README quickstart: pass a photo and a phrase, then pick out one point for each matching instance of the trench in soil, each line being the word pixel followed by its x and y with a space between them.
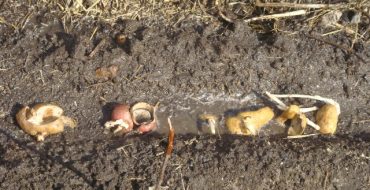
pixel 185 111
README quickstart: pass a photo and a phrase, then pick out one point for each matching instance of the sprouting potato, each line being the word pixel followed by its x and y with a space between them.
pixel 288 114
pixel 298 120
pixel 327 119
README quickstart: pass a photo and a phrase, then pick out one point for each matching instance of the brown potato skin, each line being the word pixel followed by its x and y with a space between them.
pixel 327 119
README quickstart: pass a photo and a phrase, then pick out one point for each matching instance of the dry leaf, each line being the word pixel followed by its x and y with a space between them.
pixel 106 72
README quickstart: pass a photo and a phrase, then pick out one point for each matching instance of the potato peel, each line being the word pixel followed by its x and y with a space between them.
pixel 43 111
pixel 43 120
pixel 144 116
pixel 297 125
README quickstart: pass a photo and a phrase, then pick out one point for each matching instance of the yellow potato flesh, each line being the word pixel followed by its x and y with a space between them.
pixel 289 113
pixel 254 120
pixel 235 126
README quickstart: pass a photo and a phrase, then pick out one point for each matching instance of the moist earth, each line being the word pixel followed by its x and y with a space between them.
pixel 48 62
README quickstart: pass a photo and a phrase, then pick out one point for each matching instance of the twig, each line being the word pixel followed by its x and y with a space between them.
pixel 345 29
pixel 362 121
pixel 182 182
pixel 301 136
pixel 331 43
pixel 135 72
pixel 123 147
pixel 171 137
pixel 275 16
pixel 94 32
pixel 301 6
pixel 223 16
pixel 100 83
pixel 326 179
pixel 42 78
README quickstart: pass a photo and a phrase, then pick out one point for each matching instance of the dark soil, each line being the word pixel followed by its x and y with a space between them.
pixel 44 62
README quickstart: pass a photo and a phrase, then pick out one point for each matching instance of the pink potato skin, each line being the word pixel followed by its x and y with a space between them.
pixel 147 127
pixel 122 111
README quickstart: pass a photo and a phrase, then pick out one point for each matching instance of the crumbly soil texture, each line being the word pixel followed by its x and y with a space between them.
pixel 47 61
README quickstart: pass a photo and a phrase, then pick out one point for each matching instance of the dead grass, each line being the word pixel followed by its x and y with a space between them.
pixel 111 10
pixel 312 13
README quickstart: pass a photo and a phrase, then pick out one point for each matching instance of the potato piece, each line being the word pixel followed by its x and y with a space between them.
pixel 327 119
pixel 298 125
pixel 43 120
pixel 235 126
pixel 254 120
pixel 289 113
